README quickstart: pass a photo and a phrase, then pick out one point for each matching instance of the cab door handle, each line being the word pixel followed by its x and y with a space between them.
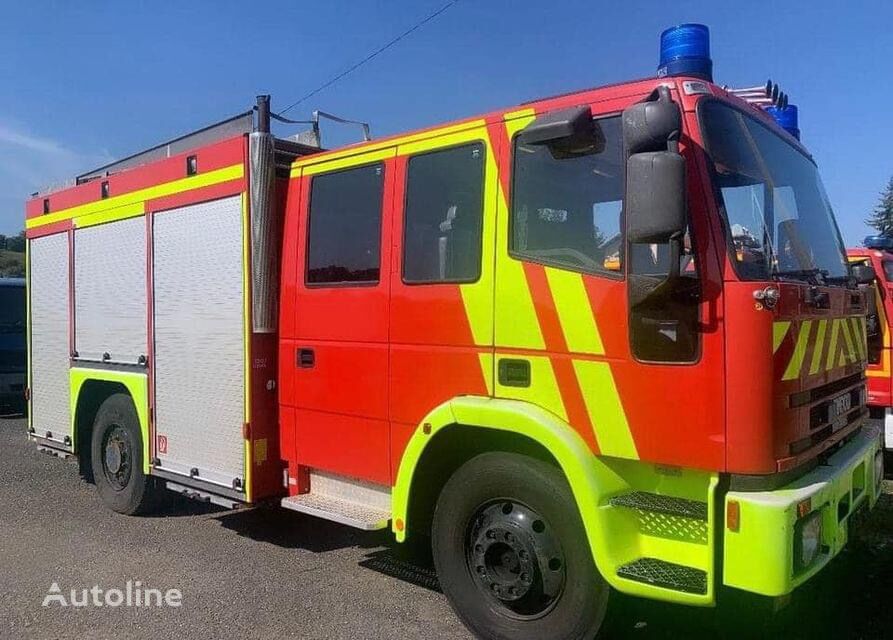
pixel 305 358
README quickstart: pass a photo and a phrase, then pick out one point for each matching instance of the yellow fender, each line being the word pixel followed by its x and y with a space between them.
pixel 613 535
pixel 137 384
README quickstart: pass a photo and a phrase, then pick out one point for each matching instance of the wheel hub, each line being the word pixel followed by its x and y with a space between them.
pixel 114 456
pixel 515 558
pixel 116 459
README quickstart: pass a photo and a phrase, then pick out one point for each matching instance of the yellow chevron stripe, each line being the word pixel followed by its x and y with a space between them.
pixel 544 389
pixel 574 312
pixel 134 197
pixel 860 336
pixel 779 331
pixel 796 363
pixel 832 347
pixel 516 324
pixel 850 352
pixel 478 296
pixel 605 409
pixel 819 345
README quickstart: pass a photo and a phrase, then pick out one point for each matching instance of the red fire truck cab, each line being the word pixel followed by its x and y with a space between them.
pixel 877 254
pixel 603 340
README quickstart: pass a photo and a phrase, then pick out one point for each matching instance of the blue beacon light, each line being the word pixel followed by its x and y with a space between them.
pixel 685 51
pixel 787 118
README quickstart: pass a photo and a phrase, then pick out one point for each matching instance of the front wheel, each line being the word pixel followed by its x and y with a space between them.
pixel 117 458
pixel 511 552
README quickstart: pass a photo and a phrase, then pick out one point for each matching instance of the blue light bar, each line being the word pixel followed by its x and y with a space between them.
pixel 685 51
pixel 881 242
pixel 786 117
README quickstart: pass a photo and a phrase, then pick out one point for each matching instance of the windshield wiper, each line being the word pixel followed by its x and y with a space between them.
pixel 814 275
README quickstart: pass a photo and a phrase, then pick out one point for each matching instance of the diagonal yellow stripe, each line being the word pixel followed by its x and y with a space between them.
pixel 859 336
pixel 779 331
pixel 832 347
pixel 796 362
pixel 816 362
pixel 846 328
pixel 574 312
pixel 605 410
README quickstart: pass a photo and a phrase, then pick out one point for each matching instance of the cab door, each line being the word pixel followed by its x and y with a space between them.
pixel 340 355
pixel 563 335
pixel 442 280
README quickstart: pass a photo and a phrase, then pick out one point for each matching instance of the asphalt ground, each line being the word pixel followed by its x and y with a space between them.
pixel 269 573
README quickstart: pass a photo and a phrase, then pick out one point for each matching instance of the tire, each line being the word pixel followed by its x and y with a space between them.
pixel 495 512
pixel 116 458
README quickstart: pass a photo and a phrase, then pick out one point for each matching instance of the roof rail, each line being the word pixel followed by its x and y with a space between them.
pixel 237 125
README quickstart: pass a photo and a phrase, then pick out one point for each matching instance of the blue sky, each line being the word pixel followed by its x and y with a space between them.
pixel 83 83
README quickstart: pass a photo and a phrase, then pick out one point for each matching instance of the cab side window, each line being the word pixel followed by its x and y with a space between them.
pixel 566 207
pixel 444 216
pixel 344 243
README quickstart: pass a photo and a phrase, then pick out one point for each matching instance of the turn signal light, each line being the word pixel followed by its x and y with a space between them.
pixel 804 507
pixel 733 515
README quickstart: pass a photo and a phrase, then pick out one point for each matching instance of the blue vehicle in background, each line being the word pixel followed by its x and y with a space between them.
pixel 13 360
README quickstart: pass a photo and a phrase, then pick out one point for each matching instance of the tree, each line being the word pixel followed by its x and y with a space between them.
pixel 882 218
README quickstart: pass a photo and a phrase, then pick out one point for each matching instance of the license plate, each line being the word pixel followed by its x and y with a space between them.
pixel 839 406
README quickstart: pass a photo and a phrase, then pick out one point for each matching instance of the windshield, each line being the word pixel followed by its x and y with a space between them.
pixel 778 214
pixel 12 309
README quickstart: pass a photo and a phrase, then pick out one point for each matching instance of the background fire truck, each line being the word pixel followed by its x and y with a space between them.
pixel 605 340
pixel 877 255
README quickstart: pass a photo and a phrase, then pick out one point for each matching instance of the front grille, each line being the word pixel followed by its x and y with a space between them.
pixel 817 393
pixel 820 414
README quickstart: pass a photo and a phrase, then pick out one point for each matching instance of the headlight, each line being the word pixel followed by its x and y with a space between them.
pixel 879 468
pixel 808 539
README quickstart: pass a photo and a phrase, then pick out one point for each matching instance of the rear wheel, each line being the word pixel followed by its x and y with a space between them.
pixel 117 458
pixel 511 552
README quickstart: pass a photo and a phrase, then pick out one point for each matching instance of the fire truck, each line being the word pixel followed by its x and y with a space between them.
pixel 876 257
pixel 603 341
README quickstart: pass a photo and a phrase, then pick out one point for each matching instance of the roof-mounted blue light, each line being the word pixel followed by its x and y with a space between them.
pixel 786 117
pixel 685 51
pixel 880 242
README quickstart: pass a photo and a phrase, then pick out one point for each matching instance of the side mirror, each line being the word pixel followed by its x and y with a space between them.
pixel 566 132
pixel 655 197
pixel 863 272
pixel 650 126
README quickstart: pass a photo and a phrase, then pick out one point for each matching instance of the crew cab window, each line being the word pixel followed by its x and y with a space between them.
pixel 344 241
pixel 444 216
pixel 566 206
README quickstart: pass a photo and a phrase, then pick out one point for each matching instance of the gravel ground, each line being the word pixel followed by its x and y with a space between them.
pixel 268 573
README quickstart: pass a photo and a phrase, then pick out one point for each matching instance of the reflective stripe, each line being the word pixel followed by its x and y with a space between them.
pixel 779 331
pixel 138 198
pixel 574 312
pixel 605 409
pixel 816 363
pixel 796 363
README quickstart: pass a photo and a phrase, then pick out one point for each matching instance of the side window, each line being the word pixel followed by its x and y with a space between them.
pixel 444 216
pixel 344 241
pixel 566 206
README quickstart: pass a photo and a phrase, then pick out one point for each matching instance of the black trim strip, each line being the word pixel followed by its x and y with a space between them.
pixel 201 485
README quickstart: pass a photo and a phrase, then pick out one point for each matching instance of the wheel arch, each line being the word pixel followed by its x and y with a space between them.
pixel 89 389
pixel 517 424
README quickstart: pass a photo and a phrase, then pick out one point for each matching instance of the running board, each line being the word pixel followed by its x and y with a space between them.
pixel 352 502
pixel 668 575
pixel 667 505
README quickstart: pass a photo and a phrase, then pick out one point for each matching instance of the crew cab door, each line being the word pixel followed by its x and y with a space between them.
pixel 339 353
pixel 562 318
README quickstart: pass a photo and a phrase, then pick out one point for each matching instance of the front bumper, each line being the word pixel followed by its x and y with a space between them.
pixel 759 556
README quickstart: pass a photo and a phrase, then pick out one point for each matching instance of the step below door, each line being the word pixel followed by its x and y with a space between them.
pixel 199 319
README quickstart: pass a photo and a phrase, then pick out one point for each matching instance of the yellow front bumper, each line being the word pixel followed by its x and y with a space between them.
pixel 759 556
